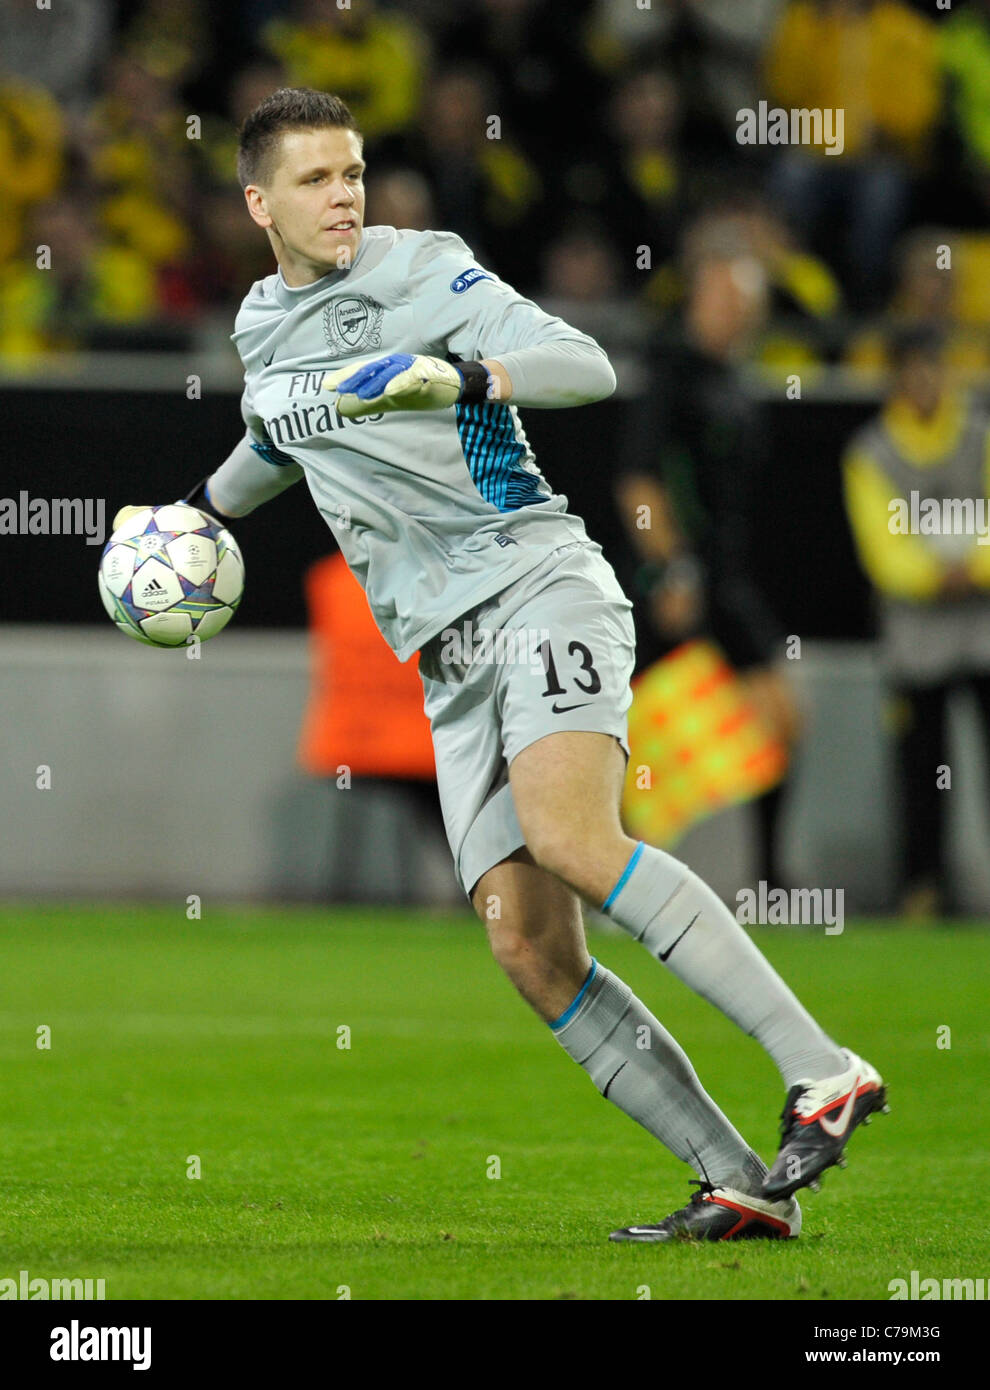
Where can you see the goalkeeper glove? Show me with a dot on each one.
(198, 498)
(123, 515)
(403, 382)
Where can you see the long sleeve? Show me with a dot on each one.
(463, 310)
(245, 479)
(555, 374)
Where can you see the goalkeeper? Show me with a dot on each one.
(386, 367)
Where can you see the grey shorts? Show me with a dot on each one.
(553, 652)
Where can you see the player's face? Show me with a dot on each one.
(312, 206)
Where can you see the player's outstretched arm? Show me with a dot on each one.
(465, 313)
(561, 372)
(482, 341)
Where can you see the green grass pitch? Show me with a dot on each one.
(368, 1167)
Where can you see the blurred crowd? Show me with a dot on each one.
(586, 151)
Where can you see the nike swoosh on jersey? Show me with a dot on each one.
(838, 1127)
(662, 955)
(267, 361)
(562, 709)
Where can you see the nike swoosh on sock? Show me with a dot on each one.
(610, 1080)
(663, 955)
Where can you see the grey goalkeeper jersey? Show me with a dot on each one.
(434, 511)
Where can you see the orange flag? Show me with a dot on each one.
(697, 745)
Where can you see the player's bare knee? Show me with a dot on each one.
(561, 854)
(516, 950)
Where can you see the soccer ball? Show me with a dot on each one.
(170, 573)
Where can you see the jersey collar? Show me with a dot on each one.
(290, 295)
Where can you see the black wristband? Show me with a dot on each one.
(477, 382)
(198, 499)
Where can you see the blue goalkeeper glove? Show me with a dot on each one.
(403, 382)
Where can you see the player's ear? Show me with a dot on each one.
(256, 205)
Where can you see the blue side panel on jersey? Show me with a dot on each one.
(493, 453)
(270, 454)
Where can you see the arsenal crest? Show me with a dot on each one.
(352, 324)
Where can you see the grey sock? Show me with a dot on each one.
(681, 921)
(637, 1065)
